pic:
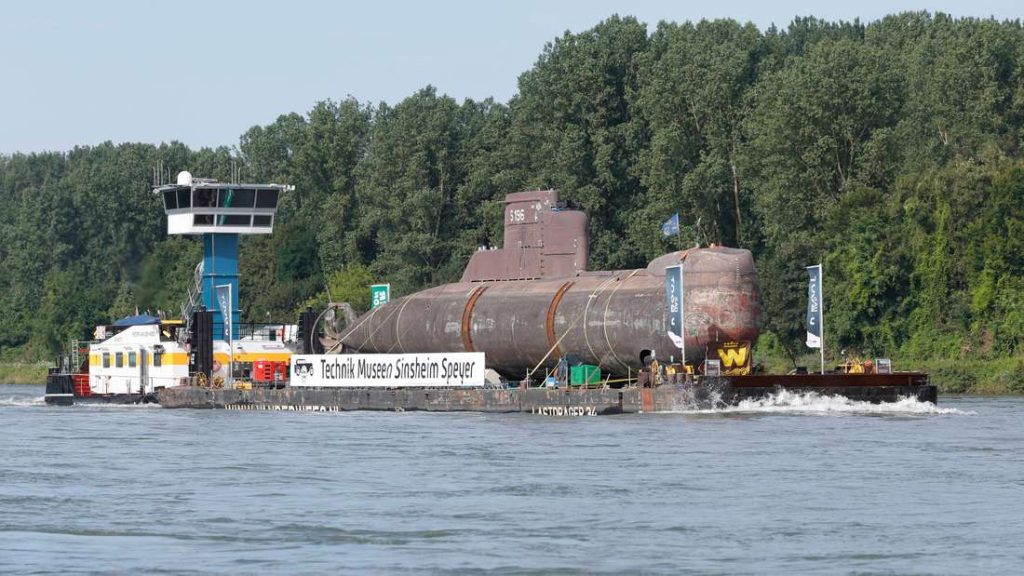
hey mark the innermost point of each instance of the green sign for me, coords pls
(380, 294)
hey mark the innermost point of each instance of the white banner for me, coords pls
(459, 369)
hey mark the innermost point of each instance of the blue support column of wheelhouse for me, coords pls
(220, 269)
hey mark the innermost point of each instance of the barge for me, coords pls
(700, 393)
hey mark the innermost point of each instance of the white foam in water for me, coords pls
(22, 401)
(785, 401)
(115, 406)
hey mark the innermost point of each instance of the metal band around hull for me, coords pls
(467, 319)
(549, 324)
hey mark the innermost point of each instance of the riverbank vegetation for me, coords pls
(889, 151)
(23, 372)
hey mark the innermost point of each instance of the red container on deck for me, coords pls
(263, 371)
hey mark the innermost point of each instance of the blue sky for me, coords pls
(80, 73)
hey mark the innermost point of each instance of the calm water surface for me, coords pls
(796, 485)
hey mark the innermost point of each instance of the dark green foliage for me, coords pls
(954, 378)
(889, 151)
(1011, 380)
(296, 253)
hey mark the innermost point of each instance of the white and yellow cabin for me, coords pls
(145, 358)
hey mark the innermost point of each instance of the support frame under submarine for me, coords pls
(532, 303)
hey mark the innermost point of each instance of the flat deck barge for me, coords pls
(704, 392)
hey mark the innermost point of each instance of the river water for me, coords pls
(791, 485)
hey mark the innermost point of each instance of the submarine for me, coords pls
(533, 301)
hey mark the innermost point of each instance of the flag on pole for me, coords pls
(224, 301)
(814, 318)
(671, 226)
(674, 306)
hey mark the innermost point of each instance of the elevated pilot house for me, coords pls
(204, 206)
(219, 212)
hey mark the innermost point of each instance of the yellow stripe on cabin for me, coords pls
(271, 356)
(170, 359)
(181, 358)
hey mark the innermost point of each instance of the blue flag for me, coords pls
(671, 226)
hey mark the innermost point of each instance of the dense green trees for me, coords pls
(889, 151)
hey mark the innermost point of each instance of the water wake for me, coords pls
(785, 401)
(22, 401)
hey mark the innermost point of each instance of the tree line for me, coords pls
(888, 151)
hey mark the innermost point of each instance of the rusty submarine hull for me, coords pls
(533, 301)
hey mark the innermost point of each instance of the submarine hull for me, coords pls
(610, 319)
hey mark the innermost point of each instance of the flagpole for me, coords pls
(231, 341)
(679, 244)
(682, 315)
(821, 298)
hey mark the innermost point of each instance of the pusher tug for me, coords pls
(132, 359)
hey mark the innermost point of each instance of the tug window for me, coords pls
(235, 220)
(205, 197)
(131, 359)
(158, 358)
(236, 197)
(119, 359)
(106, 359)
(266, 199)
(225, 197)
(244, 198)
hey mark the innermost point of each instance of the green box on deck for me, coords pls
(584, 375)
